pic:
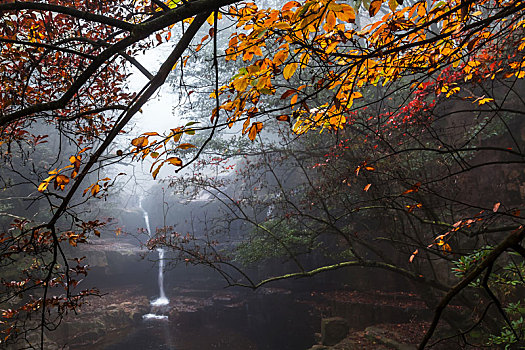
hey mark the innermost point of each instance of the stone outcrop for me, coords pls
(333, 330)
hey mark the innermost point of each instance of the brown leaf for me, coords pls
(186, 146)
(287, 93)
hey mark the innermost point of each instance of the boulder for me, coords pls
(333, 330)
(319, 347)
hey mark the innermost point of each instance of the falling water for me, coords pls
(161, 300)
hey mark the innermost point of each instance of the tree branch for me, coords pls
(512, 239)
(87, 16)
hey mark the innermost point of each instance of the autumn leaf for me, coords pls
(95, 189)
(392, 4)
(414, 188)
(289, 70)
(254, 130)
(175, 161)
(283, 118)
(140, 142)
(61, 181)
(375, 5)
(496, 206)
(413, 255)
(367, 187)
(186, 146)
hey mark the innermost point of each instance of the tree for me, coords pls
(63, 66)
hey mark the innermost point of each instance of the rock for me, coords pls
(319, 347)
(317, 337)
(381, 336)
(333, 330)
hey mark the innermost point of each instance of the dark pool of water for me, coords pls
(262, 322)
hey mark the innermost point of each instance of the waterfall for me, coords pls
(161, 300)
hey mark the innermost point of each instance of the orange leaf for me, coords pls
(140, 142)
(62, 179)
(367, 187)
(413, 255)
(175, 161)
(374, 7)
(283, 118)
(414, 188)
(254, 130)
(95, 189)
(496, 207)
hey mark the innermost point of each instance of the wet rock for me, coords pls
(333, 330)
(319, 347)
(381, 336)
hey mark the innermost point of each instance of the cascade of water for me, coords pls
(161, 300)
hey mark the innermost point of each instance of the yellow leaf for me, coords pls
(289, 70)
(43, 186)
(240, 84)
(482, 101)
(211, 19)
(392, 4)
